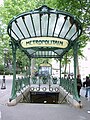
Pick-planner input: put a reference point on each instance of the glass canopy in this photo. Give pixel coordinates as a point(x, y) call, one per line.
point(44, 32)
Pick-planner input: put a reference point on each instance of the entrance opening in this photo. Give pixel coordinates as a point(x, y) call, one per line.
point(44, 97)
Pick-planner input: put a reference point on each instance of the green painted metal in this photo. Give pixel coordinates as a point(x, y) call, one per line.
point(48, 23)
point(44, 22)
point(21, 83)
point(14, 48)
point(68, 85)
point(34, 80)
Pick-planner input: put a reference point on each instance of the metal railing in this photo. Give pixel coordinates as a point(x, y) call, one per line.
point(21, 83)
point(50, 84)
point(68, 84)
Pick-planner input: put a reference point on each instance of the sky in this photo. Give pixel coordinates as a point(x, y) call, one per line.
point(1, 1)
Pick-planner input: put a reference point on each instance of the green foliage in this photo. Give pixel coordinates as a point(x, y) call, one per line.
point(1, 69)
point(7, 72)
point(11, 8)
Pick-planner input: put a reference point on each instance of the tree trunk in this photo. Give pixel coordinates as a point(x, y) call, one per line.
point(65, 65)
point(32, 67)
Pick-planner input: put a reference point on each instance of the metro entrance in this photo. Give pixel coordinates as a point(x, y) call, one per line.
point(44, 33)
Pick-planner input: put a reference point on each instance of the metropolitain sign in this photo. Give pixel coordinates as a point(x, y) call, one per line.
point(44, 42)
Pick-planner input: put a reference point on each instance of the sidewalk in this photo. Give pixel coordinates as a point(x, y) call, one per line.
point(27, 111)
point(5, 93)
point(85, 101)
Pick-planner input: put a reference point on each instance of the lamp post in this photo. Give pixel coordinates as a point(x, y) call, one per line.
point(3, 80)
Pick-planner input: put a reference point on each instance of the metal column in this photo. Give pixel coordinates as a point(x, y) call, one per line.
point(14, 48)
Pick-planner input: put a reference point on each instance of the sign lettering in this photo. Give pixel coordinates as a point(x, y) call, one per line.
point(44, 42)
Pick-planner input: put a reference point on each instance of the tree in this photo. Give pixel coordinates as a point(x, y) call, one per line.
point(79, 8)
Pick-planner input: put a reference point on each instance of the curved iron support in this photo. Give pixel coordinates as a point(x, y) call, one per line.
point(14, 48)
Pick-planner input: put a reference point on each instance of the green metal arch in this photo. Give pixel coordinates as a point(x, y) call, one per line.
point(44, 22)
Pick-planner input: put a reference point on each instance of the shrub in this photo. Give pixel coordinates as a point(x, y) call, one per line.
point(1, 69)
